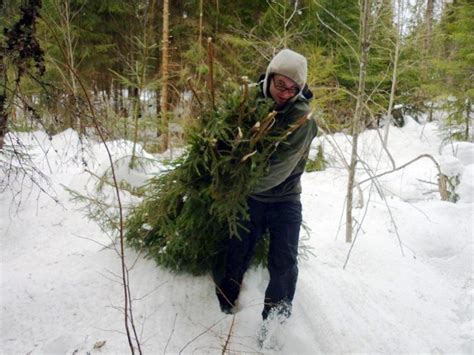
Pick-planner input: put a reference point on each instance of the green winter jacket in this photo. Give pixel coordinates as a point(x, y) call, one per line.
point(287, 163)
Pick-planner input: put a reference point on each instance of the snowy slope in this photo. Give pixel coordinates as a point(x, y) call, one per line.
point(407, 287)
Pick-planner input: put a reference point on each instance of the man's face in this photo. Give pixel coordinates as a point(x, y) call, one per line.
point(282, 89)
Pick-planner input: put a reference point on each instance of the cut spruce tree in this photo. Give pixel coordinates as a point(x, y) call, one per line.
point(189, 211)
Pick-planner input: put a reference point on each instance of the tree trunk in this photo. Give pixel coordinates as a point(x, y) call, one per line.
point(429, 25)
point(216, 27)
point(164, 77)
point(364, 48)
point(137, 113)
point(392, 91)
point(200, 23)
point(210, 75)
point(65, 16)
point(394, 73)
point(430, 112)
point(115, 97)
point(3, 100)
point(468, 113)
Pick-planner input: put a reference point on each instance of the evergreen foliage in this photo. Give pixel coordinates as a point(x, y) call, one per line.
point(114, 47)
point(319, 163)
point(440, 77)
point(456, 66)
point(192, 208)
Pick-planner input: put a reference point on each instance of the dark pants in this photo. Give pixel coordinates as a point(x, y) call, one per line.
point(283, 221)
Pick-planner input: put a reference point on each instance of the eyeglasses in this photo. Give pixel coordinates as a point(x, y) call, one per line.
point(280, 86)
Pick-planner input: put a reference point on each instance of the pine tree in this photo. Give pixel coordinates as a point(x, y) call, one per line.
point(456, 66)
point(191, 209)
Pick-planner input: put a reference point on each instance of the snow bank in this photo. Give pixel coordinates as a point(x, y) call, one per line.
point(417, 181)
point(81, 163)
point(145, 164)
point(460, 156)
point(465, 189)
point(464, 151)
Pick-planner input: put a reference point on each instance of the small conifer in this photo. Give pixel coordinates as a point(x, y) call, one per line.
point(189, 211)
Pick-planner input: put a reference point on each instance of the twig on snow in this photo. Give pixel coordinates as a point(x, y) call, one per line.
point(200, 334)
point(229, 335)
point(171, 334)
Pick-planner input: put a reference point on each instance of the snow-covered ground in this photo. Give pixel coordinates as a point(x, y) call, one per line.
point(407, 286)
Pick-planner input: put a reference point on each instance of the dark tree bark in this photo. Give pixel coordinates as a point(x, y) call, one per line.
point(164, 76)
point(3, 96)
point(429, 24)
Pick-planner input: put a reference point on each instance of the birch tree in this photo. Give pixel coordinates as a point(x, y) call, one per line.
point(396, 57)
point(359, 110)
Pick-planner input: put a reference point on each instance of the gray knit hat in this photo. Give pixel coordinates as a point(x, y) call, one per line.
point(290, 64)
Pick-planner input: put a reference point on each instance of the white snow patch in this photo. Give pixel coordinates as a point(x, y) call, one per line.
point(465, 188)
point(464, 151)
point(407, 288)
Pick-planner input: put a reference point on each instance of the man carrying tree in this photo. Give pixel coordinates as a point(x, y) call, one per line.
point(274, 204)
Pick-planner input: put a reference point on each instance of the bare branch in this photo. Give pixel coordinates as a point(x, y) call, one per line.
point(441, 177)
point(229, 335)
point(171, 334)
point(208, 329)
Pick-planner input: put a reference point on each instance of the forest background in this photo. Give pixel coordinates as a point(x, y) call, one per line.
point(136, 62)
